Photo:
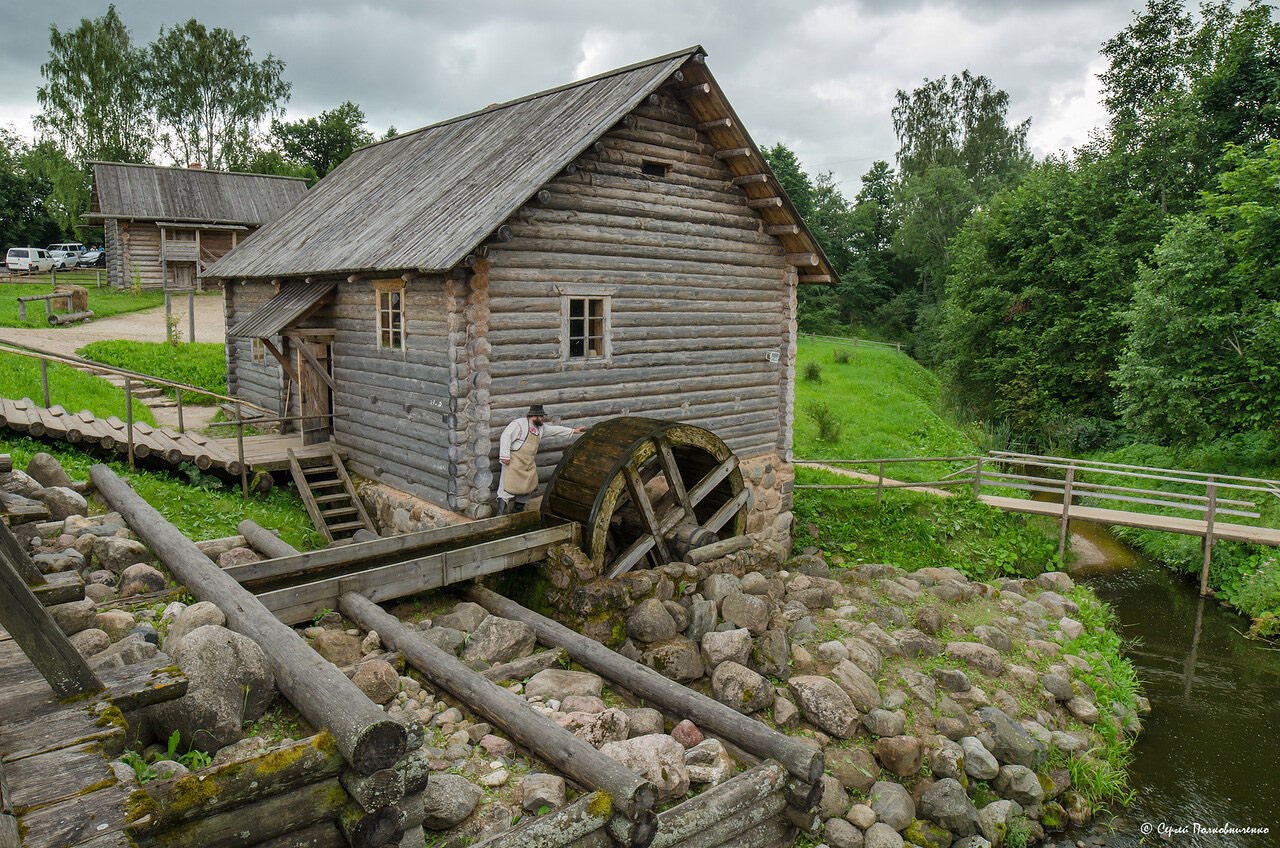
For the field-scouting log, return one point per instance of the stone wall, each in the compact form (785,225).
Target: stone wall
(395,512)
(771,479)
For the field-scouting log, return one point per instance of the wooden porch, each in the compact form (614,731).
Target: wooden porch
(271,452)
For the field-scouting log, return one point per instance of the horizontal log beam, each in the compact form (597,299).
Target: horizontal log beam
(698,90)
(733,153)
(751,179)
(783,229)
(717,124)
(765,202)
(801,259)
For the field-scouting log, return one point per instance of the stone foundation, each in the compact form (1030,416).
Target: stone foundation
(771,480)
(395,512)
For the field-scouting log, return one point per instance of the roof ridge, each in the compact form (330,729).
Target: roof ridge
(688,51)
(180,168)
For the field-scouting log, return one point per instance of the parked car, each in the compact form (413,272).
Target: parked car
(35,260)
(95,258)
(66,254)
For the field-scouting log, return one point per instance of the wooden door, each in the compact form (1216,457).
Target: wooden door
(315,400)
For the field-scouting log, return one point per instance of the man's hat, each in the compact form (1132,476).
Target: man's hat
(536,409)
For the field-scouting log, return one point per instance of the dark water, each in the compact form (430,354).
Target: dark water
(1208,754)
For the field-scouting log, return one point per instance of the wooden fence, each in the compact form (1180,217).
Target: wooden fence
(1071,488)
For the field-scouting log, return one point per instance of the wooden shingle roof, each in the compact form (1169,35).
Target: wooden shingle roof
(190,195)
(426,199)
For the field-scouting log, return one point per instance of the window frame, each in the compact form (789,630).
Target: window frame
(606,327)
(390,336)
(257,351)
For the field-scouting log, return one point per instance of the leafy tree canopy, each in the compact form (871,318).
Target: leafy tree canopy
(323,142)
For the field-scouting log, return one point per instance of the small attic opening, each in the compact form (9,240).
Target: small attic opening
(653,168)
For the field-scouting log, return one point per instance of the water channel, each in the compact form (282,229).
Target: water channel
(1208,754)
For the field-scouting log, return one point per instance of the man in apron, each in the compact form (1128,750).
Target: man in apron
(518,451)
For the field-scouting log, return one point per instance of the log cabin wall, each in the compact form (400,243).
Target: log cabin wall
(393,410)
(115,255)
(140,254)
(257,381)
(700,298)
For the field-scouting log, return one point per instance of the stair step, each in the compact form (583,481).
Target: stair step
(341,496)
(143,394)
(317,469)
(350,525)
(324,484)
(333,513)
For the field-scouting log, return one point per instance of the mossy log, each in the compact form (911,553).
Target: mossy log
(246,825)
(367,739)
(748,734)
(743,800)
(371,830)
(630,794)
(374,791)
(321,835)
(235,784)
(584,817)
(263,540)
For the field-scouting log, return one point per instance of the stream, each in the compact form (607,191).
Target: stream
(1208,756)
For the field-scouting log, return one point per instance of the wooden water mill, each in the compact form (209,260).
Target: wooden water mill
(642,487)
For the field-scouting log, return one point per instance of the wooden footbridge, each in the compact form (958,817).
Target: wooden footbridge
(1072,490)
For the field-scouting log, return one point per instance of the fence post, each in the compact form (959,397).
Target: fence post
(977,478)
(880,484)
(22,309)
(97,276)
(177,393)
(1210,514)
(244,473)
(191,315)
(1066,514)
(128,417)
(44,380)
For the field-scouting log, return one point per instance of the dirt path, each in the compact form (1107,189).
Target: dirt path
(147,325)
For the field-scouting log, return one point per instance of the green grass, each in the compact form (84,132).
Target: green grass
(883,404)
(104,302)
(209,509)
(200,364)
(69,388)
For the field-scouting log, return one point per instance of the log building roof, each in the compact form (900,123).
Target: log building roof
(189,195)
(426,199)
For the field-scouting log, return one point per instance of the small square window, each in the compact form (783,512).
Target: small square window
(654,169)
(391,319)
(259,350)
(586,328)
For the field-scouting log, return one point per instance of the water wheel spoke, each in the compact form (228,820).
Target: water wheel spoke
(728,511)
(671,470)
(708,483)
(632,555)
(640,498)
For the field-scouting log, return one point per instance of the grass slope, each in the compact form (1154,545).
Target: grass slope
(201,364)
(886,405)
(73,390)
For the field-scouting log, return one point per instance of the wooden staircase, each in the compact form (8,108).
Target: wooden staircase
(330,498)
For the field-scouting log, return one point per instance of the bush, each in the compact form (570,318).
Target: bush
(813,372)
(1259,597)
(828,422)
(841,356)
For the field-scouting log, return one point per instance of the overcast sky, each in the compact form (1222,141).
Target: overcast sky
(820,77)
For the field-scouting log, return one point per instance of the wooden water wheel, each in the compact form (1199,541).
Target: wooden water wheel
(641,487)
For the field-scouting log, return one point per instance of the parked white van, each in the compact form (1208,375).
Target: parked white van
(66,254)
(34,259)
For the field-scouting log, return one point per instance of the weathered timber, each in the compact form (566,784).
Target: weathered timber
(54,776)
(574,757)
(298,603)
(129,687)
(26,619)
(585,816)
(747,733)
(231,785)
(370,830)
(19,559)
(60,588)
(524,667)
(75,724)
(70,317)
(263,540)
(374,791)
(715,550)
(367,739)
(771,833)
(268,818)
(81,820)
(22,510)
(735,798)
(319,835)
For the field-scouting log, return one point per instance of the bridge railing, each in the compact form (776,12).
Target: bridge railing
(131,379)
(1070,482)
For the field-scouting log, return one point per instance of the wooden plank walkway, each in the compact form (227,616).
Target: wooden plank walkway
(271,452)
(84,428)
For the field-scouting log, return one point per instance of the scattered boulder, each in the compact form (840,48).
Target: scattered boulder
(129,650)
(377,679)
(446,639)
(709,763)
(881,835)
(678,659)
(1019,783)
(978,761)
(727,646)
(739,687)
(825,704)
(893,804)
(855,768)
(229,683)
(857,684)
(90,641)
(499,640)
(115,623)
(559,683)
(650,621)
(139,579)
(880,722)
(749,611)
(448,799)
(62,502)
(982,657)
(466,617)
(116,554)
(901,755)
(657,758)
(56,562)
(540,790)
(947,804)
(192,618)
(338,647)
(75,616)
(238,556)
(1009,741)
(839,833)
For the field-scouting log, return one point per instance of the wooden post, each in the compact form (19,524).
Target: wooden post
(177,394)
(128,416)
(1210,515)
(44,380)
(22,309)
(168,310)
(35,632)
(19,559)
(880,484)
(244,471)
(367,739)
(191,315)
(977,479)
(98,278)
(1066,514)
